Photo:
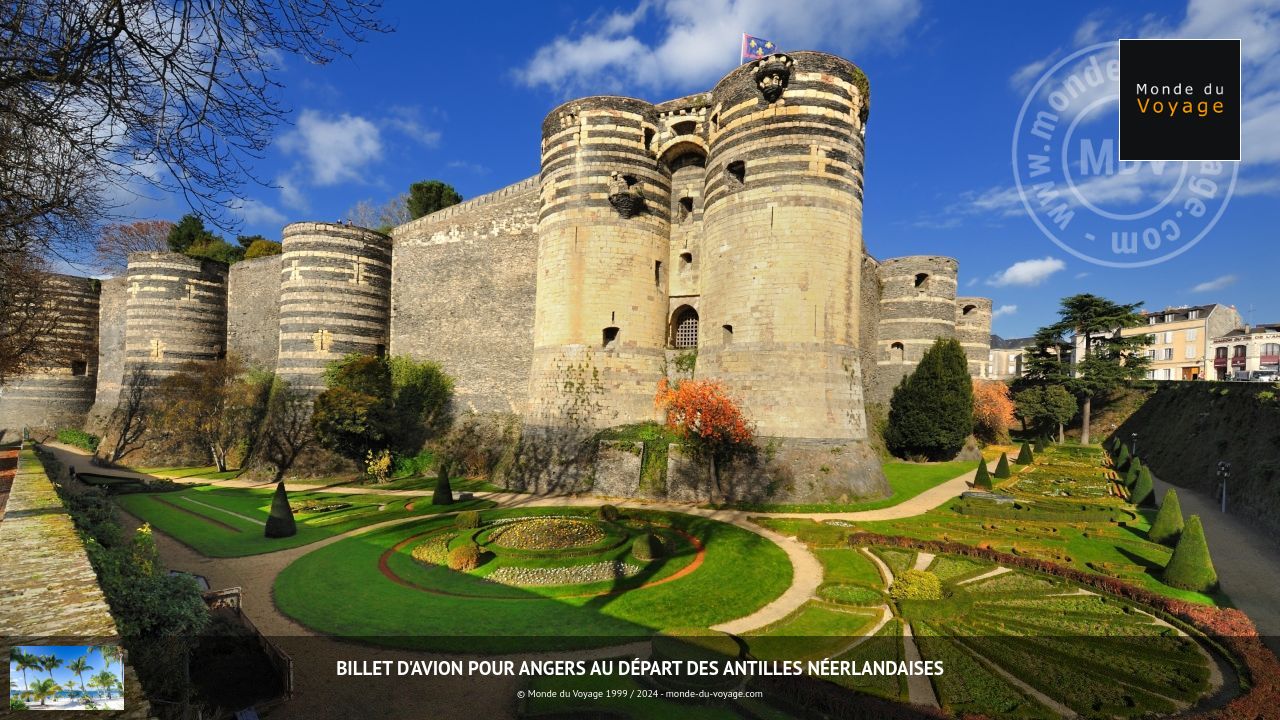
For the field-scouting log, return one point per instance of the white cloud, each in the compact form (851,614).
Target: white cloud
(291,192)
(1081,275)
(1217,283)
(1027,272)
(408,120)
(335,149)
(698,40)
(1004,310)
(469,167)
(255,212)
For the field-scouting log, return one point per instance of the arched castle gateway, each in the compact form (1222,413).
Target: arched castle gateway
(727,222)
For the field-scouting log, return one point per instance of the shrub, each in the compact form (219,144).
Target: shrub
(465,557)
(647,547)
(1122,458)
(280,522)
(1190,566)
(916,585)
(444,491)
(982,480)
(1002,467)
(931,412)
(262,248)
(1024,454)
(608,513)
(1168,523)
(992,410)
(1143,489)
(79,438)
(467,520)
(1042,443)
(378,465)
(1131,476)
(404,466)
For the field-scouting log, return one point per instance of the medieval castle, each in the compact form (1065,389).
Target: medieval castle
(727,223)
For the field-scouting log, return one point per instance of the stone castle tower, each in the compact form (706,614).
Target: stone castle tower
(727,223)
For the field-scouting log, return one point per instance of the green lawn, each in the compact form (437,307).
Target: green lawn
(334,589)
(907,480)
(229,522)
(817,630)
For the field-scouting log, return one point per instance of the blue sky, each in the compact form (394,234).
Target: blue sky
(458,92)
(62,676)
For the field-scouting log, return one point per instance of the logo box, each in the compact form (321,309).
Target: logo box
(1179,100)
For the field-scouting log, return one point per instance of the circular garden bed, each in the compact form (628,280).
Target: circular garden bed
(543,579)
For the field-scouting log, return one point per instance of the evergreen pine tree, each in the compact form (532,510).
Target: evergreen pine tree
(982,480)
(1190,566)
(444,492)
(1024,454)
(1002,467)
(280,521)
(931,412)
(1143,489)
(1167,526)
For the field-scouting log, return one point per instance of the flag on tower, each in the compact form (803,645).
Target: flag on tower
(754,48)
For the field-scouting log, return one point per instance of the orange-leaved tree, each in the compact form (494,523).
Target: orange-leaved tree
(992,410)
(707,418)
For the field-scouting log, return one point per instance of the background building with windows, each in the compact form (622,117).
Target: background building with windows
(1179,340)
(1246,350)
(1007,357)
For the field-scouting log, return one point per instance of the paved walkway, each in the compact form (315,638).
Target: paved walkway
(1246,560)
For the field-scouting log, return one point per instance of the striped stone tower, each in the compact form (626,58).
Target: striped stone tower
(782,224)
(603,244)
(973,330)
(917,306)
(175,311)
(335,298)
(60,392)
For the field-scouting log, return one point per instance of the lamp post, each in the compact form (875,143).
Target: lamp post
(1133,448)
(1224,474)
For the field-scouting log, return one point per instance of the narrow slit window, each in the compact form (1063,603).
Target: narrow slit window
(648,138)
(657,273)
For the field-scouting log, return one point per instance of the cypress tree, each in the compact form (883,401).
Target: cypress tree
(982,481)
(1190,566)
(1143,489)
(1168,523)
(1131,475)
(1024,454)
(280,521)
(444,492)
(931,412)
(1002,467)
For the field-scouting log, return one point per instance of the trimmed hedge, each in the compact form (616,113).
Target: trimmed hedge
(608,513)
(982,480)
(280,522)
(1143,489)
(1167,526)
(79,438)
(1190,566)
(647,547)
(467,520)
(1002,467)
(464,557)
(1024,455)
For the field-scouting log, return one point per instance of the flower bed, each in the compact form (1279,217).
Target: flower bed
(547,534)
(568,575)
(316,506)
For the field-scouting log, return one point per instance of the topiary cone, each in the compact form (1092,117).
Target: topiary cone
(280,521)
(1143,489)
(1002,467)
(1167,526)
(444,492)
(1131,475)
(1190,566)
(982,481)
(1122,459)
(1024,454)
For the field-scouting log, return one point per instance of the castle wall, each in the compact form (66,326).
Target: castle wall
(463,289)
(973,330)
(335,298)
(176,312)
(253,311)
(917,306)
(59,392)
(783,233)
(600,321)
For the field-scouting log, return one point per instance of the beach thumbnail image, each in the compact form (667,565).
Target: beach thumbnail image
(66,677)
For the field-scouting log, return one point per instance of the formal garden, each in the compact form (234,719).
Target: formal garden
(541,578)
